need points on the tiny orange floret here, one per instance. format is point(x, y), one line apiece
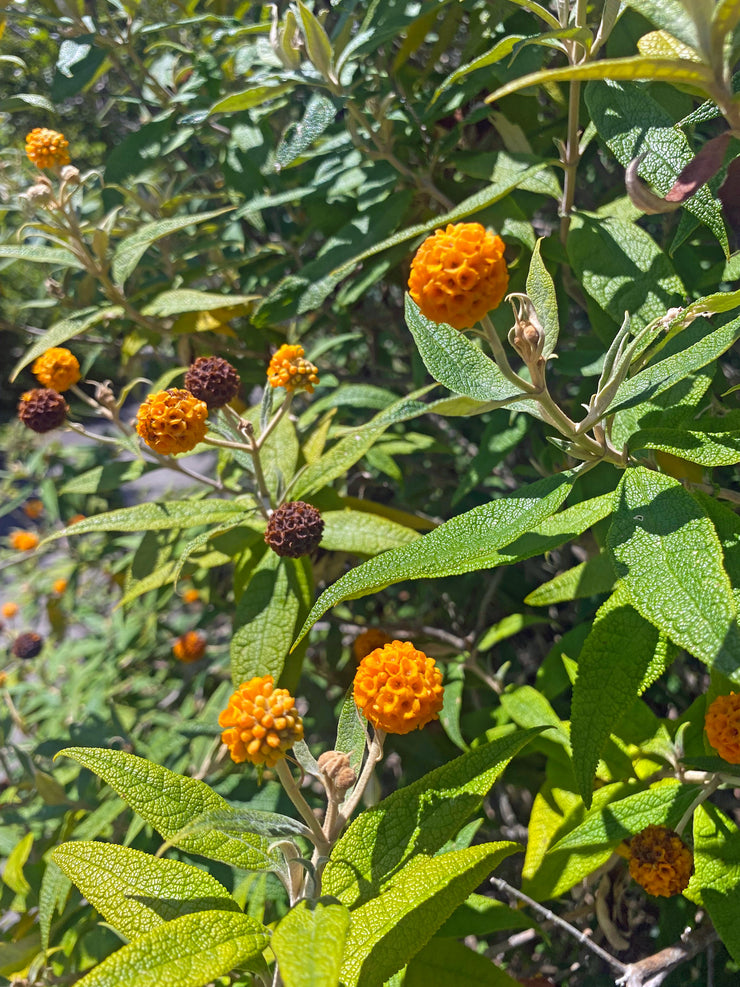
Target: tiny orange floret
point(459, 274)
point(59, 586)
point(57, 368)
point(47, 148)
point(722, 725)
point(9, 610)
point(24, 541)
point(660, 861)
point(398, 688)
point(290, 369)
point(190, 647)
point(33, 509)
point(172, 421)
point(191, 596)
point(261, 722)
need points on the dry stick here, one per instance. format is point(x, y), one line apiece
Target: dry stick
point(652, 971)
point(566, 926)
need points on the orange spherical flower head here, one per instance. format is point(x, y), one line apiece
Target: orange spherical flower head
point(57, 368)
point(722, 724)
point(190, 647)
point(172, 421)
point(33, 509)
point(290, 369)
point(398, 688)
point(47, 148)
point(294, 529)
point(59, 586)
point(42, 409)
point(191, 596)
point(27, 645)
point(368, 640)
point(660, 861)
point(262, 722)
point(9, 610)
point(213, 380)
point(459, 275)
point(24, 541)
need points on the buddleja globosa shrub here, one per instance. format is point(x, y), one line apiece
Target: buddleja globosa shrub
point(308, 240)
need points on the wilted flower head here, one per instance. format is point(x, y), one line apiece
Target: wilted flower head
point(289, 369)
point(660, 861)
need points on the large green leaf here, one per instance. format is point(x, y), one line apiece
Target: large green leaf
point(541, 290)
point(668, 553)
point(363, 533)
point(467, 542)
point(419, 818)
point(715, 883)
point(623, 269)
point(595, 575)
point(706, 441)
point(615, 110)
point(37, 254)
point(187, 952)
point(60, 332)
point(309, 943)
point(157, 517)
point(318, 115)
point(455, 361)
point(596, 711)
point(168, 802)
point(131, 249)
point(177, 300)
point(277, 597)
point(448, 962)
point(136, 892)
point(672, 16)
point(389, 929)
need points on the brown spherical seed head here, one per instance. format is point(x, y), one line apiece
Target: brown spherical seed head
point(42, 409)
point(213, 380)
point(27, 645)
point(294, 529)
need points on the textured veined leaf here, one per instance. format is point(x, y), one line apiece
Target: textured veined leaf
point(60, 332)
point(309, 943)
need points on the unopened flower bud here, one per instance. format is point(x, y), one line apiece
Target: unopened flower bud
point(70, 175)
point(527, 335)
point(335, 767)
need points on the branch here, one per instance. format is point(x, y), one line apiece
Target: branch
point(652, 971)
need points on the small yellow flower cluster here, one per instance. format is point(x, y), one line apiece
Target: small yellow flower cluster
point(290, 369)
point(262, 722)
point(660, 861)
point(47, 148)
point(57, 368)
point(722, 725)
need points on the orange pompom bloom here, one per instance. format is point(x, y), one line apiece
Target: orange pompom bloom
point(57, 368)
point(660, 861)
point(722, 724)
point(47, 148)
point(191, 596)
point(59, 586)
point(190, 647)
point(289, 369)
point(459, 275)
point(262, 723)
point(172, 421)
point(9, 610)
point(24, 541)
point(33, 509)
point(368, 640)
point(76, 518)
point(398, 688)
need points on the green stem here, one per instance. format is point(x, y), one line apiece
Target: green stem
point(374, 754)
point(501, 359)
point(294, 794)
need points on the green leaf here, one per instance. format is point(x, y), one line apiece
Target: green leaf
point(541, 290)
point(318, 46)
point(351, 732)
point(419, 818)
point(455, 361)
point(699, 348)
point(667, 551)
point(662, 805)
point(615, 110)
point(249, 98)
point(507, 627)
point(60, 332)
point(445, 961)
point(135, 891)
point(39, 255)
point(132, 248)
point(715, 883)
point(467, 542)
point(187, 952)
point(278, 595)
point(595, 575)
point(188, 300)
point(670, 15)
point(480, 915)
point(707, 442)
point(623, 269)
point(363, 534)
point(500, 50)
point(676, 71)
point(318, 115)
point(13, 874)
point(108, 476)
point(21, 101)
point(388, 930)
point(725, 19)
point(55, 887)
point(309, 943)
point(596, 711)
point(157, 517)
point(168, 802)
point(237, 820)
